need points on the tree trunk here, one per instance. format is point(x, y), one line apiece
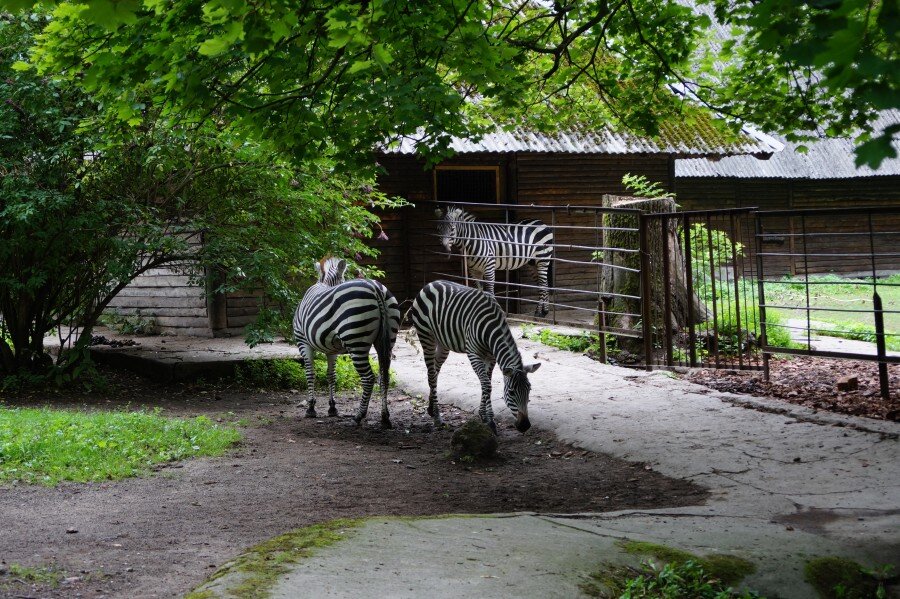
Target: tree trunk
point(622, 277)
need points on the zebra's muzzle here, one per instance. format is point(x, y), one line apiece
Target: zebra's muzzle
point(522, 424)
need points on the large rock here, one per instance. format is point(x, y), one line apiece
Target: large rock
point(473, 441)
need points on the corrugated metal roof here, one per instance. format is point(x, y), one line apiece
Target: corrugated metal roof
point(825, 159)
point(683, 140)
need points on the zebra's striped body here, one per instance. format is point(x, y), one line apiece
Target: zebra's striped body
point(451, 317)
point(489, 247)
point(347, 317)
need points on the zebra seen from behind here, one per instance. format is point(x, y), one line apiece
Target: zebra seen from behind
point(489, 247)
point(347, 317)
point(451, 317)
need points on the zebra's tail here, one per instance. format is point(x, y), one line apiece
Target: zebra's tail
point(383, 340)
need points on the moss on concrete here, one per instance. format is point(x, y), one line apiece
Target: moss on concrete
point(727, 568)
point(840, 578)
point(257, 570)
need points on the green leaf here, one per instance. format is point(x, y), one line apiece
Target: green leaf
point(360, 65)
point(382, 55)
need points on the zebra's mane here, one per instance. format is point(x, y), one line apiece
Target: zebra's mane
point(458, 213)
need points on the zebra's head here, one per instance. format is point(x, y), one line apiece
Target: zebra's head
point(449, 224)
point(330, 271)
point(516, 390)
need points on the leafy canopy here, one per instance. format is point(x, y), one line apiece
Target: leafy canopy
point(350, 75)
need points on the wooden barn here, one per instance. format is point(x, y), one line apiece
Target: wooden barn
point(825, 177)
point(531, 170)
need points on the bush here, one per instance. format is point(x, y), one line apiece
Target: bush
point(688, 580)
point(290, 374)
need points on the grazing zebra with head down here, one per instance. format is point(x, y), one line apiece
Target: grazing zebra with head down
point(347, 317)
point(489, 247)
point(451, 317)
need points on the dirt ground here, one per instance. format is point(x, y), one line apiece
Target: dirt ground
point(161, 535)
point(813, 382)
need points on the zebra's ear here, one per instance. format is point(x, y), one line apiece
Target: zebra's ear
point(341, 267)
point(319, 273)
point(438, 213)
point(531, 367)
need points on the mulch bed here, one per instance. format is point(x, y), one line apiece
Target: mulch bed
point(813, 382)
point(161, 535)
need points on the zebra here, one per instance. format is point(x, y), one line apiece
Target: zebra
point(337, 317)
point(489, 247)
point(452, 317)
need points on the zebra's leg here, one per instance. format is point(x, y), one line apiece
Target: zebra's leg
point(483, 369)
point(307, 353)
point(360, 357)
point(332, 409)
point(544, 306)
point(478, 276)
point(385, 414)
point(435, 356)
point(490, 275)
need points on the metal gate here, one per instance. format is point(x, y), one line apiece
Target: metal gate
point(696, 282)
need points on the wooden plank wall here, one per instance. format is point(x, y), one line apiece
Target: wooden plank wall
point(578, 180)
point(166, 296)
point(782, 194)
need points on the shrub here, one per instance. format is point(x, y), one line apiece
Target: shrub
point(290, 374)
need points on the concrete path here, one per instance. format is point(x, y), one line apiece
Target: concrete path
point(787, 485)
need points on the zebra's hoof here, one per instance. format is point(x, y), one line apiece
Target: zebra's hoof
point(493, 427)
point(541, 312)
point(310, 413)
point(357, 420)
point(332, 411)
point(386, 423)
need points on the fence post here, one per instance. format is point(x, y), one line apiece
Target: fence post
point(646, 324)
point(667, 292)
point(762, 295)
point(689, 279)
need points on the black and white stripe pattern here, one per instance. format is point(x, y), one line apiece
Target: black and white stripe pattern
point(453, 318)
point(347, 317)
point(489, 247)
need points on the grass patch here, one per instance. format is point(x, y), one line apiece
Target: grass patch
point(47, 576)
point(47, 446)
point(840, 578)
point(290, 374)
point(832, 291)
point(258, 570)
point(581, 343)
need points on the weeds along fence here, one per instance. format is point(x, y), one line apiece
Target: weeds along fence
point(813, 309)
point(664, 289)
point(701, 300)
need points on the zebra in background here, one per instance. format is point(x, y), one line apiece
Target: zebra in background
point(489, 247)
point(347, 317)
point(451, 317)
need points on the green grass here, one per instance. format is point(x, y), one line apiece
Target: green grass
point(46, 576)
point(47, 446)
point(577, 343)
point(844, 293)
